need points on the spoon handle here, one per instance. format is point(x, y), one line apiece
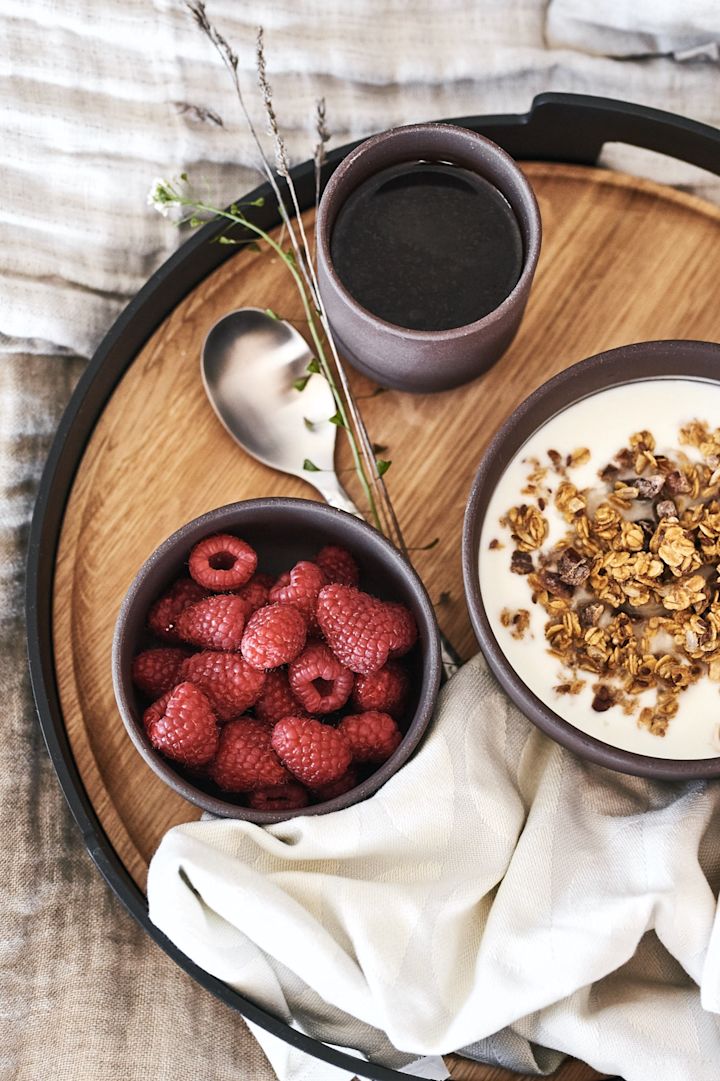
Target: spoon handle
point(335, 496)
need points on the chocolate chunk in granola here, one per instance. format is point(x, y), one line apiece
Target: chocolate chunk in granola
point(604, 699)
point(555, 458)
point(554, 584)
point(647, 487)
point(572, 567)
point(521, 562)
point(676, 483)
point(610, 473)
point(626, 458)
point(589, 615)
point(665, 508)
point(647, 525)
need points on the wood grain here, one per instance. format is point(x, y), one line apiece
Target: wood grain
point(623, 260)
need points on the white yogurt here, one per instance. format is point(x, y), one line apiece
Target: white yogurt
point(603, 423)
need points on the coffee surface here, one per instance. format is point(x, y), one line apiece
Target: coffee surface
point(427, 246)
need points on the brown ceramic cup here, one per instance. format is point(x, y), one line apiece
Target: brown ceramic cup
point(283, 531)
point(425, 360)
point(616, 367)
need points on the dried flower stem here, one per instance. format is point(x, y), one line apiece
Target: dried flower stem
point(319, 155)
point(390, 524)
point(302, 267)
point(230, 60)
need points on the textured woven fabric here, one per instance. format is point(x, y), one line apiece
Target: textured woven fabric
point(641, 28)
point(495, 881)
point(96, 98)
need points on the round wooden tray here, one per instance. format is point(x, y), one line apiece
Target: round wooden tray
point(623, 260)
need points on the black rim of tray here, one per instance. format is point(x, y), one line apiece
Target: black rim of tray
point(570, 128)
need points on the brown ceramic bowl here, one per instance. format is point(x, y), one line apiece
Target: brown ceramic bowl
point(283, 531)
point(630, 363)
point(425, 360)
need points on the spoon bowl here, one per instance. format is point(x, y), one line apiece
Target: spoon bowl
point(251, 364)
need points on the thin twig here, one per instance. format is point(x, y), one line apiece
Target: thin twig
point(230, 60)
point(363, 454)
point(307, 268)
point(323, 136)
point(281, 157)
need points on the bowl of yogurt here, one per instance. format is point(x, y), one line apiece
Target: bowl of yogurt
point(591, 558)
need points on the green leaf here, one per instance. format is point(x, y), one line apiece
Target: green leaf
point(302, 382)
point(382, 466)
point(271, 313)
point(234, 208)
point(310, 467)
point(194, 222)
point(337, 421)
point(260, 201)
point(184, 176)
point(313, 367)
point(426, 548)
point(227, 240)
point(308, 424)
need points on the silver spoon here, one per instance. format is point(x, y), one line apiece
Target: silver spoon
point(250, 363)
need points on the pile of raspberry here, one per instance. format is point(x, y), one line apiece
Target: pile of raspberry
point(280, 693)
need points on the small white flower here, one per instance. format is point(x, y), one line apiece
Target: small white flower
point(162, 196)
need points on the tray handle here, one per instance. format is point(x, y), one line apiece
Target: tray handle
point(575, 127)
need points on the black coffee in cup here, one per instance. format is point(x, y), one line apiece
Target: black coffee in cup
point(427, 246)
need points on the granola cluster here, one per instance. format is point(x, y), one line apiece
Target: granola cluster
point(631, 593)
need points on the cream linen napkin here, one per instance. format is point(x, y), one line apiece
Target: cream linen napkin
point(497, 884)
point(686, 30)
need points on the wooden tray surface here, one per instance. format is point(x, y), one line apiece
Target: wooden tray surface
point(623, 260)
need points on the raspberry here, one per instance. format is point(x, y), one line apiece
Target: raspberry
point(338, 565)
point(165, 611)
point(372, 736)
point(386, 690)
point(186, 729)
point(256, 591)
point(155, 711)
point(300, 587)
point(314, 752)
point(214, 623)
point(229, 682)
point(323, 792)
point(276, 699)
point(156, 671)
point(363, 631)
point(274, 635)
point(222, 562)
point(245, 760)
point(319, 681)
point(404, 627)
point(281, 797)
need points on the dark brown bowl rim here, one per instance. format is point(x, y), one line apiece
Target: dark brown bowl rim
point(428, 637)
point(530, 256)
point(584, 745)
